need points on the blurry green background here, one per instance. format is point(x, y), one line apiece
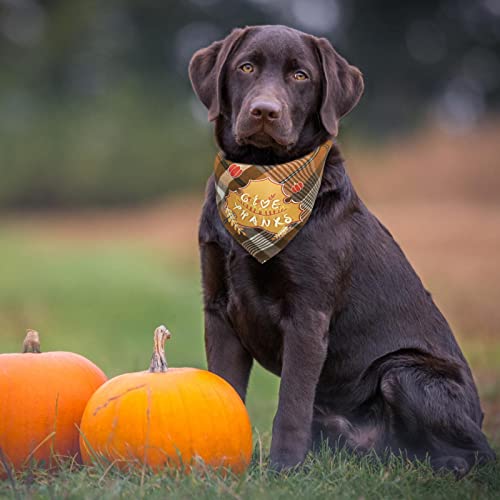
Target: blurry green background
point(96, 107)
point(104, 152)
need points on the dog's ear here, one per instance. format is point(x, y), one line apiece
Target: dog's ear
point(205, 71)
point(342, 85)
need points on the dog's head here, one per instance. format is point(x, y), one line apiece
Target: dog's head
point(273, 89)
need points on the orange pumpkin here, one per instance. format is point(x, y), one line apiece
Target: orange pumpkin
point(42, 398)
point(167, 417)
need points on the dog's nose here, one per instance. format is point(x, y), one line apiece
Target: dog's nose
point(265, 109)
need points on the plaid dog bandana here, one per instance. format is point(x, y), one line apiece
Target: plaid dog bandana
point(263, 207)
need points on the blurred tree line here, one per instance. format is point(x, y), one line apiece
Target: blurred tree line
point(96, 107)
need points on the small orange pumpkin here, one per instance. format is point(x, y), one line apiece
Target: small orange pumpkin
point(42, 398)
point(167, 417)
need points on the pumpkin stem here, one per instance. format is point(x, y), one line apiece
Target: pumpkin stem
point(31, 342)
point(158, 360)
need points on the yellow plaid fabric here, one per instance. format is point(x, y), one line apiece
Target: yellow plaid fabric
point(263, 207)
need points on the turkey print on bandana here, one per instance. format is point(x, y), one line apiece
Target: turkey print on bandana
point(264, 206)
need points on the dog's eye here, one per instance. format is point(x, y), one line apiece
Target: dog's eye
point(300, 75)
point(246, 68)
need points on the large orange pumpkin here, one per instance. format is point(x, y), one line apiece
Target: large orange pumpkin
point(167, 417)
point(42, 398)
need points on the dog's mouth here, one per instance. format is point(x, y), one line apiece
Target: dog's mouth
point(264, 137)
point(262, 140)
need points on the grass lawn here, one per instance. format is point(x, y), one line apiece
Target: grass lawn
point(104, 300)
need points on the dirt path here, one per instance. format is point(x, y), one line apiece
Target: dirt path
point(454, 246)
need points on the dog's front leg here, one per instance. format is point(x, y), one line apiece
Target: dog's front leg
point(305, 346)
point(225, 354)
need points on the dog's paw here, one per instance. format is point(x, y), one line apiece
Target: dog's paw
point(285, 462)
point(458, 466)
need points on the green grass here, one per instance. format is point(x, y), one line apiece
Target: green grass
point(323, 476)
point(104, 300)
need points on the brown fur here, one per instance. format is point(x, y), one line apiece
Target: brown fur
point(366, 358)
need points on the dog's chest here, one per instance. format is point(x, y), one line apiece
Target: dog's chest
point(259, 296)
point(255, 305)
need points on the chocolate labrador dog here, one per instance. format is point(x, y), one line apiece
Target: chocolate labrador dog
point(366, 359)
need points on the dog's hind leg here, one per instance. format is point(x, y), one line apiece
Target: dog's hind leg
point(436, 416)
